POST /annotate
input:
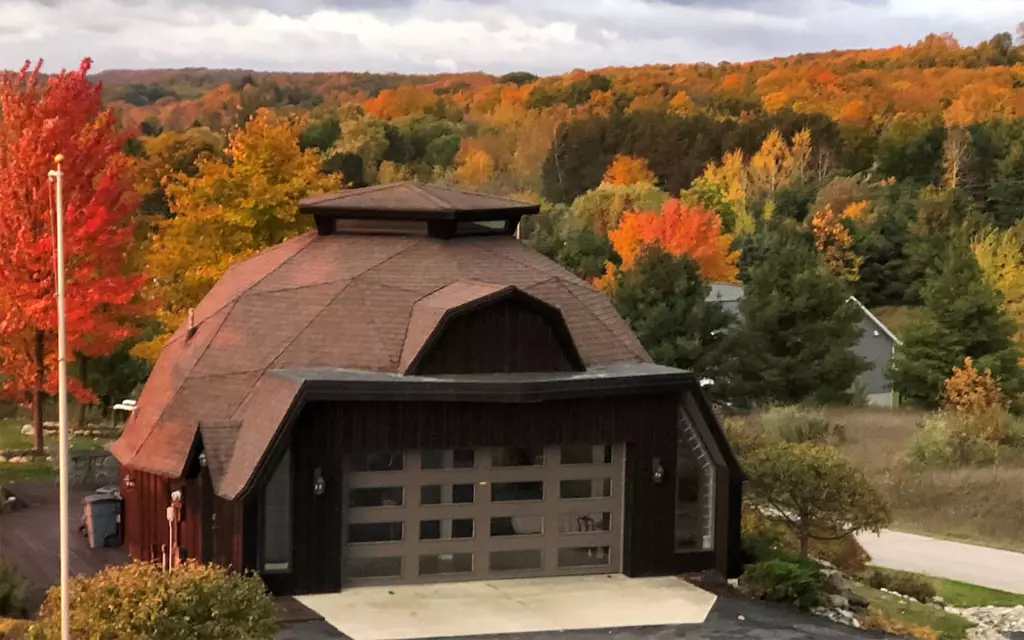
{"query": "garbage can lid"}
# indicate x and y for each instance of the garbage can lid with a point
(99, 497)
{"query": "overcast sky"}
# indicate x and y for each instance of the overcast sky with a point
(542, 36)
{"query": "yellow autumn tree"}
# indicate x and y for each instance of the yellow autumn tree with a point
(626, 170)
(231, 209)
(834, 242)
(742, 182)
(1000, 254)
(474, 166)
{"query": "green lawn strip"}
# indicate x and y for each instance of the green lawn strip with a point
(962, 594)
(949, 626)
(11, 472)
(11, 438)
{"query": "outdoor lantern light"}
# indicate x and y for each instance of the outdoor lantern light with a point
(318, 482)
(659, 471)
(128, 482)
(202, 459)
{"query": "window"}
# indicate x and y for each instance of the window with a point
(277, 518)
(577, 489)
(447, 459)
(516, 491)
(695, 490)
(374, 532)
(447, 493)
(376, 497)
(379, 461)
(517, 457)
(586, 454)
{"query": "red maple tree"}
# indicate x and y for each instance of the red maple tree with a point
(43, 117)
(679, 229)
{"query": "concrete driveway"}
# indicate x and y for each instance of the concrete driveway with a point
(982, 566)
(730, 619)
(528, 606)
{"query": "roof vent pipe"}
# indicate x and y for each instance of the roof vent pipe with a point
(191, 324)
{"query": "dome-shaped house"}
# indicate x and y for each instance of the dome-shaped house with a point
(409, 394)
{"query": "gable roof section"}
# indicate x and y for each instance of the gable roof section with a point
(432, 314)
(338, 301)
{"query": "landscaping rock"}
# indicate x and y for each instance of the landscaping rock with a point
(856, 601)
(27, 430)
(3, 458)
(837, 602)
(834, 582)
(994, 623)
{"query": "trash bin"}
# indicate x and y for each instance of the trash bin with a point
(103, 520)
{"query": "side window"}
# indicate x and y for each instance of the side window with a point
(277, 518)
(695, 490)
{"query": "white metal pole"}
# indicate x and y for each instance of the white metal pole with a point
(62, 398)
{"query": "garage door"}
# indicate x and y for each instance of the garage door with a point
(470, 514)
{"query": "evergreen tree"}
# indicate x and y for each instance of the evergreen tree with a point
(666, 303)
(961, 317)
(797, 328)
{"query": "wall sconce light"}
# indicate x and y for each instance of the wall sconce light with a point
(202, 459)
(318, 482)
(659, 471)
(129, 483)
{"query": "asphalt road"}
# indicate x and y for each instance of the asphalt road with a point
(970, 563)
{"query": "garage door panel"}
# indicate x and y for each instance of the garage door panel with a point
(442, 515)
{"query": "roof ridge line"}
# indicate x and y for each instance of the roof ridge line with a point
(425, 193)
(408, 322)
(174, 395)
(301, 331)
(239, 293)
(614, 332)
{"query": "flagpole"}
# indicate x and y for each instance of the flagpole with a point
(62, 371)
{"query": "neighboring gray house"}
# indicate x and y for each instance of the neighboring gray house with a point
(877, 344)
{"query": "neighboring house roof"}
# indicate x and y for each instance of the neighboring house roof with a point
(730, 295)
(357, 302)
(873, 318)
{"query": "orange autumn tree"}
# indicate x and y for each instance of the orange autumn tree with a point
(626, 170)
(679, 229)
(42, 117)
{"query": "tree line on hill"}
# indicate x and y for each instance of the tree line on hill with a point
(894, 175)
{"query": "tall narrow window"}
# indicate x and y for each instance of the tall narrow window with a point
(695, 490)
(277, 518)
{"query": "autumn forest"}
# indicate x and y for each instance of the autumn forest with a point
(893, 175)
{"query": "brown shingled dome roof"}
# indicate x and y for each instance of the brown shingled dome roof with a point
(338, 301)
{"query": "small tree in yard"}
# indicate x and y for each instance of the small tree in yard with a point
(813, 490)
(141, 602)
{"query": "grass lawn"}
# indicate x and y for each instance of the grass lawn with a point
(41, 470)
(962, 594)
(11, 438)
(977, 505)
(949, 626)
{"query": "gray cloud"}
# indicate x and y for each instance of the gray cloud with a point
(490, 35)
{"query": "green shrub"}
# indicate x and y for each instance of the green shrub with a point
(794, 581)
(951, 439)
(13, 587)
(800, 424)
(908, 584)
(139, 601)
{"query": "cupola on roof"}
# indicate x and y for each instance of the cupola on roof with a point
(439, 211)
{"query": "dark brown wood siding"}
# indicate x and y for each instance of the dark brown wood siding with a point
(145, 518)
(324, 432)
(145, 513)
(504, 337)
